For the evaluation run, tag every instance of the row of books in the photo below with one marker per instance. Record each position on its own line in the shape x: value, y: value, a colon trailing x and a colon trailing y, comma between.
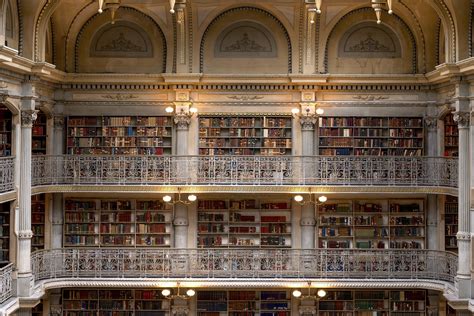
x: 119, y: 121
x: 250, y: 122
x: 157, y: 151
x: 118, y: 131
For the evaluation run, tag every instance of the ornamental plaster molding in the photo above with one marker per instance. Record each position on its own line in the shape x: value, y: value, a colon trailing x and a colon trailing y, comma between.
x: 462, y: 119
x: 308, y: 122
x: 370, y: 97
x: 435, y: 285
x: 245, y: 97
x: 28, y: 117
x: 119, y: 97
x: 182, y: 120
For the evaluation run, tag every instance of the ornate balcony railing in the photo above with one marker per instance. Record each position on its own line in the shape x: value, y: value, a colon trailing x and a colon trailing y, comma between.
x: 245, y: 170
x: 7, y: 174
x: 243, y: 263
x: 6, y: 288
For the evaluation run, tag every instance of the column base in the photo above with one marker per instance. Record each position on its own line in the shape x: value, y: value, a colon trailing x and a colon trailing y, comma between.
x: 24, y: 285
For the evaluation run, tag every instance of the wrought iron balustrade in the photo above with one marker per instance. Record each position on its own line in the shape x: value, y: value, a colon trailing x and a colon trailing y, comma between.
x: 7, y: 174
x: 6, y: 286
x: 244, y: 263
x: 245, y: 170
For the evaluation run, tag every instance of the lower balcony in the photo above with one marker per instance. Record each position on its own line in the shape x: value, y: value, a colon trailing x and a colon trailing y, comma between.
x: 263, y: 268
x: 262, y: 173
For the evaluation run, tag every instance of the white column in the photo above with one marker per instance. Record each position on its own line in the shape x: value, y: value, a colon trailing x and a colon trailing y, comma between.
x: 57, y: 209
x: 308, y: 221
x: 431, y: 123
x: 182, y: 120
x: 28, y: 116
x: 463, y: 235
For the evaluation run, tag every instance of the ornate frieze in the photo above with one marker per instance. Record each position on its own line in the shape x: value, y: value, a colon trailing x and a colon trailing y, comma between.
x: 28, y: 117
x: 462, y: 118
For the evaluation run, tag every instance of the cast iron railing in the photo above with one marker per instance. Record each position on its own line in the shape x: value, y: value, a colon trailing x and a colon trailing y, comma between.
x: 7, y: 174
x: 6, y: 288
x: 245, y: 170
x: 244, y: 263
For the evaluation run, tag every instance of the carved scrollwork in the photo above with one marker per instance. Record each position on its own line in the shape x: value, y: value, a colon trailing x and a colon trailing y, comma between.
x: 28, y: 117
x: 182, y: 119
x: 462, y: 118
x: 308, y: 122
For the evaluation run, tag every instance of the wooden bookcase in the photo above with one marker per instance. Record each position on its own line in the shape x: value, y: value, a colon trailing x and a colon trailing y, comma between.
x: 245, y: 135
x: 244, y: 223
x: 38, y: 207
x: 373, y: 136
x: 373, y: 302
x: 451, y: 137
x: 117, y: 223
x: 123, y: 302
x: 5, y: 131
x: 119, y: 135
x: 4, y: 233
x: 243, y: 303
x: 371, y: 224
x: 450, y: 223
x: 38, y: 144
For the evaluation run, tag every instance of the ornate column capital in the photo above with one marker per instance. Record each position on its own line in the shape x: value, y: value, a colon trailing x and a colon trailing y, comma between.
x: 179, y: 309
x: 180, y: 221
x: 308, y: 122
x: 28, y: 117
x: 182, y: 119
x: 307, y: 309
x: 462, y: 118
x: 431, y: 123
x: 465, y: 236
x: 58, y: 121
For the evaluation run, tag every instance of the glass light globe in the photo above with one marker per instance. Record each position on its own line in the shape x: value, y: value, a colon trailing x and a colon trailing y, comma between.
x: 295, y: 110
x: 322, y: 199
x: 167, y: 198
x: 165, y: 292
x: 169, y: 109
x: 190, y: 292
x: 193, y: 110
x: 192, y: 198
x: 298, y: 198
x: 296, y: 293
x: 321, y: 293
x: 319, y: 111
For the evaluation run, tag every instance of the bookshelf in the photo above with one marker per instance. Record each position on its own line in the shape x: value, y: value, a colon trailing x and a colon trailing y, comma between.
x: 450, y: 223
x: 4, y: 233
x: 38, y: 142
x: 5, y: 131
x: 245, y: 135
x: 371, y: 224
x: 119, y: 135
x: 371, y: 136
x: 244, y: 223
x: 451, y: 137
x: 123, y: 302
x: 38, y: 208
x: 117, y: 223
x: 373, y: 302
x: 243, y: 303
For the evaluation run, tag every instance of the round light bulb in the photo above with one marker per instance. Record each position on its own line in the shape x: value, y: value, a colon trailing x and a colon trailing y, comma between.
x: 322, y: 199
x: 192, y: 198
x: 166, y: 292
x: 169, y: 109
x: 167, y: 198
x: 321, y: 293
x: 298, y: 198
x: 193, y: 110
x: 100, y: 10
x: 319, y: 111
x: 297, y: 293
x: 295, y: 111
x: 190, y: 292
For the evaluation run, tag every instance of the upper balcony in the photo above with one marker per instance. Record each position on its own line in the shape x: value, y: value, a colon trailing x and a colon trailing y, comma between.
x: 255, y: 173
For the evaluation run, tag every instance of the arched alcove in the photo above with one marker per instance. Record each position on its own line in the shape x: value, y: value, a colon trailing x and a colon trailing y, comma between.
x: 11, y: 26
x: 357, y: 44
x: 133, y: 44
x: 245, y: 40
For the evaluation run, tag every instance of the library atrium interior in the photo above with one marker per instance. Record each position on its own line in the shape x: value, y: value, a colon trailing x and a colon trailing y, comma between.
x: 236, y: 158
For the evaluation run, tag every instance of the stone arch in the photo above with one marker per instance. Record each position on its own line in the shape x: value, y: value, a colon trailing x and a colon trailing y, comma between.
x: 134, y: 43
x: 11, y: 24
x: 393, y: 25
x: 440, y: 43
x: 41, y: 26
x: 449, y: 28
x: 240, y: 31
x: 14, y: 109
x: 471, y: 30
